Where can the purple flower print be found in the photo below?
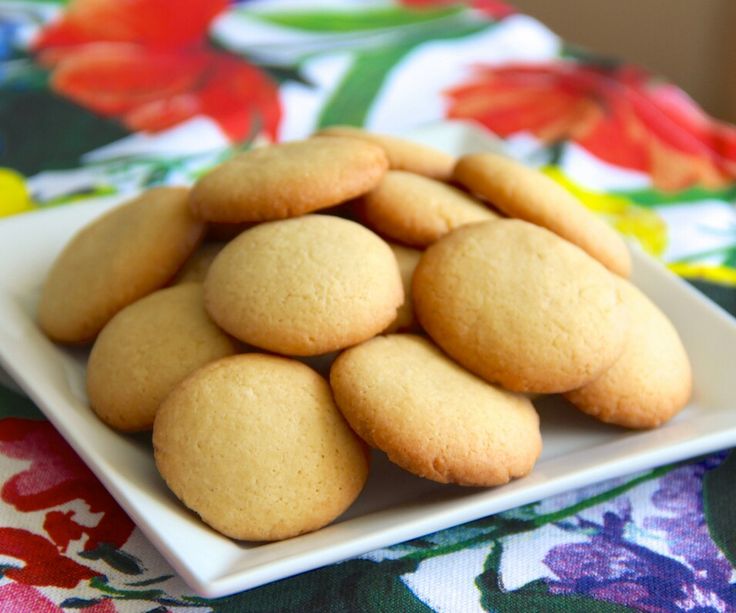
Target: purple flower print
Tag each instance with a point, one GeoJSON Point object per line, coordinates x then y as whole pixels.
{"type": "Point", "coordinates": [694, 576]}
{"type": "Point", "coordinates": [680, 496]}
{"type": "Point", "coordinates": [610, 567]}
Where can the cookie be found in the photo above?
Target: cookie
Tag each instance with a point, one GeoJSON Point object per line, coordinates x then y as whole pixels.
{"type": "Point", "coordinates": [256, 446]}
{"type": "Point", "coordinates": [416, 211]}
{"type": "Point", "coordinates": [651, 381]}
{"type": "Point", "coordinates": [433, 418]}
{"type": "Point", "coordinates": [146, 350]}
{"type": "Point", "coordinates": [402, 154]}
{"type": "Point", "coordinates": [304, 286]}
{"type": "Point", "coordinates": [407, 259]}
{"type": "Point", "coordinates": [518, 305]}
{"type": "Point", "coordinates": [196, 267]}
{"type": "Point", "coordinates": [288, 179]}
{"type": "Point", "coordinates": [224, 232]}
{"type": "Point", "coordinates": [120, 257]}
{"type": "Point", "coordinates": [524, 193]}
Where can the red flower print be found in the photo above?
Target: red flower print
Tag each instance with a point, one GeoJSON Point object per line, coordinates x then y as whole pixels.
{"type": "Point", "coordinates": [618, 113]}
{"type": "Point", "coordinates": [115, 79]}
{"type": "Point", "coordinates": [56, 476]}
{"type": "Point", "coordinates": [146, 63]}
{"type": "Point", "coordinates": [44, 565]}
{"type": "Point", "coordinates": [720, 136]}
{"type": "Point", "coordinates": [21, 598]}
{"type": "Point", "coordinates": [153, 23]}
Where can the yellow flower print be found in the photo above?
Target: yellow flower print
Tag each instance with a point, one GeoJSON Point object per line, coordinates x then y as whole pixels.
{"type": "Point", "coordinates": [642, 224]}
{"type": "Point", "coordinates": [14, 197]}
{"type": "Point", "coordinates": [715, 273]}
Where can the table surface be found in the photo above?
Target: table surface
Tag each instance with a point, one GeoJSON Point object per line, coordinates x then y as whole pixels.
{"type": "Point", "coordinates": [100, 97]}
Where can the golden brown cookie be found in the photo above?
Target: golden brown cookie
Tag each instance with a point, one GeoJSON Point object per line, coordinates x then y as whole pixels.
{"type": "Point", "coordinates": [651, 381]}
{"type": "Point", "coordinates": [196, 267]}
{"type": "Point", "coordinates": [146, 350]}
{"type": "Point", "coordinates": [518, 305]}
{"type": "Point", "coordinates": [416, 211]}
{"type": "Point", "coordinates": [304, 286]}
{"type": "Point", "coordinates": [127, 253]}
{"type": "Point", "coordinates": [433, 418]}
{"type": "Point", "coordinates": [407, 259]}
{"type": "Point", "coordinates": [524, 193]}
{"type": "Point", "coordinates": [224, 232]}
{"type": "Point", "coordinates": [288, 179]}
{"type": "Point", "coordinates": [402, 154]}
{"type": "Point", "coordinates": [256, 446]}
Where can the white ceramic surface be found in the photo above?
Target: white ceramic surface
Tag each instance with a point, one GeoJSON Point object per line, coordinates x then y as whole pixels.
{"type": "Point", "coordinates": [395, 506]}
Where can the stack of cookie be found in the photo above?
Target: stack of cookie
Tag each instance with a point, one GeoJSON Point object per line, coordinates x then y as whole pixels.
{"type": "Point", "coordinates": [209, 307]}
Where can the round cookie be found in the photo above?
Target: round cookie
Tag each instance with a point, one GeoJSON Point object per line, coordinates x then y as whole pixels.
{"type": "Point", "coordinates": [256, 446]}
{"type": "Point", "coordinates": [304, 286]}
{"type": "Point", "coordinates": [433, 418]}
{"type": "Point", "coordinates": [651, 381]}
{"type": "Point", "coordinates": [518, 305]}
{"type": "Point", "coordinates": [407, 259]}
{"type": "Point", "coordinates": [224, 232]}
{"type": "Point", "coordinates": [417, 211]}
{"type": "Point", "coordinates": [288, 179]}
{"type": "Point", "coordinates": [402, 154]}
{"type": "Point", "coordinates": [127, 253]}
{"type": "Point", "coordinates": [524, 193]}
{"type": "Point", "coordinates": [146, 350]}
{"type": "Point", "coordinates": [196, 267]}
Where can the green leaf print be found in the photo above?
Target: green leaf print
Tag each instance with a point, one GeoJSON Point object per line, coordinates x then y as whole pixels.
{"type": "Point", "coordinates": [13, 404]}
{"type": "Point", "coordinates": [344, 21]}
{"type": "Point", "coordinates": [723, 295]}
{"type": "Point", "coordinates": [720, 511]}
{"type": "Point", "coordinates": [147, 582]}
{"type": "Point", "coordinates": [118, 559]}
{"type": "Point", "coordinates": [100, 583]}
{"type": "Point", "coordinates": [69, 131]}
{"type": "Point", "coordinates": [730, 259]}
{"type": "Point", "coordinates": [355, 585]}
{"type": "Point", "coordinates": [654, 197]}
{"type": "Point", "coordinates": [353, 98]}
{"type": "Point", "coordinates": [22, 74]}
{"type": "Point", "coordinates": [534, 597]}
{"type": "Point", "coordinates": [533, 600]}
{"type": "Point", "coordinates": [80, 603]}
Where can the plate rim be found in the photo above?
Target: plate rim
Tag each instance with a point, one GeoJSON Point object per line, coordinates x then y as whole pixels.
{"type": "Point", "coordinates": [470, 508]}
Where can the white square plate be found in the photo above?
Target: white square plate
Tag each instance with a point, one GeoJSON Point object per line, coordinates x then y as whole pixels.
{"type": "Point", "coordinates": [395, 506]}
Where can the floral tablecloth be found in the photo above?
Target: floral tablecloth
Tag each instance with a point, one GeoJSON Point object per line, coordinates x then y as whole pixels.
{"type": "Point", "coordinates": [106, 96]}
